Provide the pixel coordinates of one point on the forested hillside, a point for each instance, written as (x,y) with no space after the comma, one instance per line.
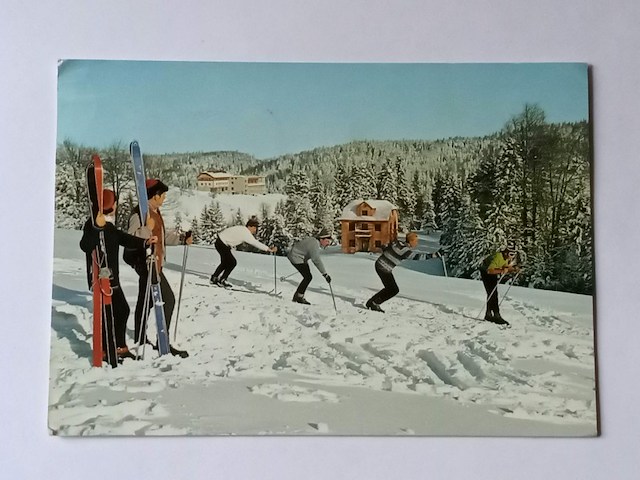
(528,183)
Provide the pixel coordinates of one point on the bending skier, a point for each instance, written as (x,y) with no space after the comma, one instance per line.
(392,255)
(491,270)
(232,237)
(304,250)
(156,193)
(113,238)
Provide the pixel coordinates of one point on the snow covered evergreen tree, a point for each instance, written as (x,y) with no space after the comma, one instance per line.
(299,214)
(363,181)
(387,183)
(273,231)
(264,211)
(211,222)
(343,187)
(467,247)
(238,218)
(405,199)
(195,231)
(177,221)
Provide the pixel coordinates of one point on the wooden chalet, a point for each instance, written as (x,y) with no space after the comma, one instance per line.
(367,225)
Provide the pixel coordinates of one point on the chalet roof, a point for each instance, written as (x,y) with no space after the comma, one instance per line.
(215,174)
(383,209)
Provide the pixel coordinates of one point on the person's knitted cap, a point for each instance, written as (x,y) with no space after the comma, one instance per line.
(108,200)
(253,222)
(155,187)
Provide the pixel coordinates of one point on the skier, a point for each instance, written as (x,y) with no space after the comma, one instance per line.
(156,193)
(392,254)
(306,249)
(232,237)
(113,238)
(493,267)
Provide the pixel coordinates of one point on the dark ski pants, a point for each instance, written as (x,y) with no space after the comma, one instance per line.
(490,283)
(390,289)
(304,269)
(227,260)
(168,298)
(121,311)
(118,313)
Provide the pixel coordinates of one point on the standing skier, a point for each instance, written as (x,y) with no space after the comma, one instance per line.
(493,267)
(232,237)
(156,193)
(392,255)
(113,238)
(306,249)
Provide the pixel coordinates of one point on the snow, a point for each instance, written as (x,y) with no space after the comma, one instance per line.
(261,364)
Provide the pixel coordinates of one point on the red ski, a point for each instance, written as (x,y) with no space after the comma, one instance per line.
(103,325)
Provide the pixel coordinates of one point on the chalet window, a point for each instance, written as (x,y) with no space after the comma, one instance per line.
(352,227)
(378,243)
(365,213)
(378,227)
(364,226)
(352,243)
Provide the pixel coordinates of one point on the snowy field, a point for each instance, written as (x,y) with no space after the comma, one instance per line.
(263,365)
(190,203)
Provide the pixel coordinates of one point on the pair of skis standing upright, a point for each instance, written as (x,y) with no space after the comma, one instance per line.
(103,321)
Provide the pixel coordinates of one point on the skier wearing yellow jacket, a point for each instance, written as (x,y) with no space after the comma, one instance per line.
(492,269)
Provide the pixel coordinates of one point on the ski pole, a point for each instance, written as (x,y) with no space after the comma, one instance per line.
(491,294)
(282,279)
(509,288)
(145,311)
(275,275)
(185,254)
(444,265)
(333,298)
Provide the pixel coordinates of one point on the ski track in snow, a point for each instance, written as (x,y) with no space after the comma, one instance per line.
(539,369)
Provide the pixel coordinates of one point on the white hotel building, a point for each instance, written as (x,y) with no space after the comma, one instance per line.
(222,182)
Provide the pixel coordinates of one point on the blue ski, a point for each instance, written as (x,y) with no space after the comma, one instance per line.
(161,326)
(143,202)
(140,179)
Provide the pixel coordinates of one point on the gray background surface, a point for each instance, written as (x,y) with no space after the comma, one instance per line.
(33,35)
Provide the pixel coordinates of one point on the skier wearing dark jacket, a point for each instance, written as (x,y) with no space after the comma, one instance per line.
(392,255)
(113,239)
(306,249)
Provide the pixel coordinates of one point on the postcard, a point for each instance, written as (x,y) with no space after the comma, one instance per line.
(327,249)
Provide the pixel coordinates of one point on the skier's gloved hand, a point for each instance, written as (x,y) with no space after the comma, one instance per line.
(327,277)
(436,254)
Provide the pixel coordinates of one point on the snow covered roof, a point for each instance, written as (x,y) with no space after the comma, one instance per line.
(381,210)
(215,174)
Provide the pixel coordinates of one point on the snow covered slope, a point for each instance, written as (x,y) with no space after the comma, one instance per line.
(261,364)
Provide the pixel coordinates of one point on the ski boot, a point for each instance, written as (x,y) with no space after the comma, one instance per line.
(179,353)
(300,299)
(371,305)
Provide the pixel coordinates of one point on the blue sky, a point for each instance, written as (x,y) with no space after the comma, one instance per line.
(268,109)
